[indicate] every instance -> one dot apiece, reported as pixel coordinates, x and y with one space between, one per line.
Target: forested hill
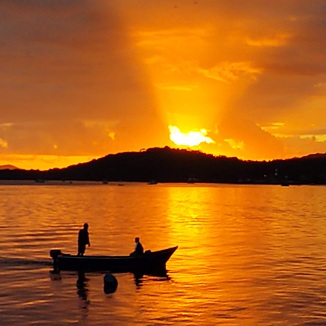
175 165
7 167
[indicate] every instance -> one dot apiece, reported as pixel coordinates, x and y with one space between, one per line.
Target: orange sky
83 79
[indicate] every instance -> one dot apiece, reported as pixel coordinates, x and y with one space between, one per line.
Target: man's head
85 226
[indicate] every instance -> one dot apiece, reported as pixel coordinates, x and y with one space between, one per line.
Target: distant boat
152 182
147 262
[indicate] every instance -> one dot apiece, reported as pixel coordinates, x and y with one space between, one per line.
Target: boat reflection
82 289
82 286
55 275
139 278
161 275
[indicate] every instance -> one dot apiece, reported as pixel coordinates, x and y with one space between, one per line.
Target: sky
81 79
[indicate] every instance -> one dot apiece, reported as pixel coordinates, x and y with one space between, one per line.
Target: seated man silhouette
139 250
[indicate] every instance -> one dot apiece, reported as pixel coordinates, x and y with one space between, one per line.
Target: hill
7 167
176 165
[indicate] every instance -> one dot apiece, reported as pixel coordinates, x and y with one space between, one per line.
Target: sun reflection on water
247 255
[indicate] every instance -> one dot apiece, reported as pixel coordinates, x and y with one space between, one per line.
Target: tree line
180 165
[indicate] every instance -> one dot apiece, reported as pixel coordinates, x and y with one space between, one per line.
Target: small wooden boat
147 262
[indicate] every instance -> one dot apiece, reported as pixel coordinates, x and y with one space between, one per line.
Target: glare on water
248 255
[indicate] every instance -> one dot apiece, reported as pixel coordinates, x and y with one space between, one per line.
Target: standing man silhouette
83 240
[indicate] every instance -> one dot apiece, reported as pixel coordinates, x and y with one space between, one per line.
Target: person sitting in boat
139 250
83 240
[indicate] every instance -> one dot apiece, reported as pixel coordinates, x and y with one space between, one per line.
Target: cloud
68 63
259 61
231 71
91 77
274 41
235 144
3 143
320 85
182 88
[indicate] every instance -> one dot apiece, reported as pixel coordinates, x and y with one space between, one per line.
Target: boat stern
54 253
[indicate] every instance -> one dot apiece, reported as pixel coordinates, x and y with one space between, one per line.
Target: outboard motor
54 253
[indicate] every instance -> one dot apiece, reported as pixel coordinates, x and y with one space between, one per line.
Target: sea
247 254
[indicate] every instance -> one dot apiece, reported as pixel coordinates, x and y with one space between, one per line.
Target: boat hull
148 262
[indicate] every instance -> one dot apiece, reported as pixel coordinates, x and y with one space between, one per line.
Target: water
248 255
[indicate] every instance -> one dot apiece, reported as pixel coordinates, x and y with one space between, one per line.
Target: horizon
12 167
83 79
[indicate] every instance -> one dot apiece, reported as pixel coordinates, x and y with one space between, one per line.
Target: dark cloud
63 63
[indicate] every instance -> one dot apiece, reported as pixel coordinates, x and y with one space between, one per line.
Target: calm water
248 255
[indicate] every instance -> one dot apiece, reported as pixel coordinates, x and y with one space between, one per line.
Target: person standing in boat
139 250
83 240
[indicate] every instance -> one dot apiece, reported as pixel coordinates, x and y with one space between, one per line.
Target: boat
150 261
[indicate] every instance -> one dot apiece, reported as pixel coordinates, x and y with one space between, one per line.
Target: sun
191 138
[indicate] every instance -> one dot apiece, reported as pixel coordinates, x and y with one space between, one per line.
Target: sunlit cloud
282 131
6 125
182 88
87 78
320 85
191 138
273 127
111 135
235 144
275 41
231 71
163 37
317 138
3 143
